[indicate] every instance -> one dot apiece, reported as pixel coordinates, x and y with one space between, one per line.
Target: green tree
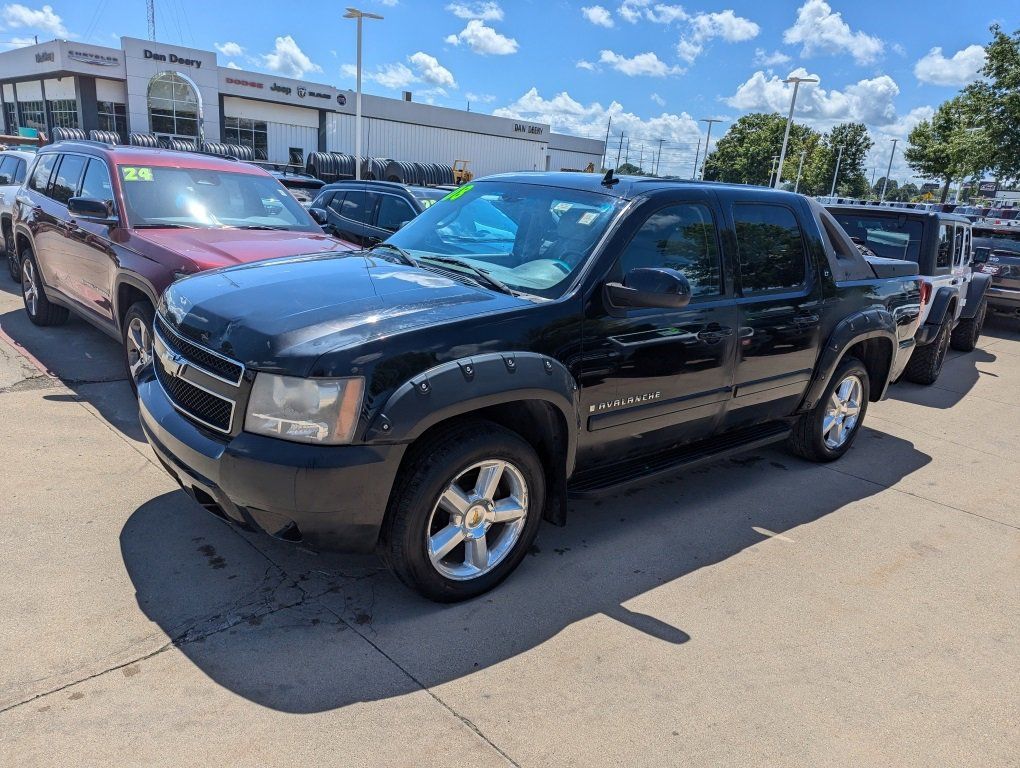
952 144
629 169
745 154
852 181
997 103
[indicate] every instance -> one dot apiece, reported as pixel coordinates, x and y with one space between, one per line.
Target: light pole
354 13
772 170
658 156
839 159
697 154
708 120
885 181
789 121
800 167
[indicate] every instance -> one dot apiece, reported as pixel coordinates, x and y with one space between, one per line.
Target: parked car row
503 346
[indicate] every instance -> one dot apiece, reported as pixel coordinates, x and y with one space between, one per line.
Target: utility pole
772 170
641 158
627 153
789 120
710 121
885 182
800 167
150 18
605 148
839 159
619 149
697 152
873 172
658 156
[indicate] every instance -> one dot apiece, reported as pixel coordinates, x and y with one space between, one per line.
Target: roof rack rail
88 142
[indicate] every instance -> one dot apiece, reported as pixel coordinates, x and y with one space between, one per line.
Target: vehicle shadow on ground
352 633
961 371
83 358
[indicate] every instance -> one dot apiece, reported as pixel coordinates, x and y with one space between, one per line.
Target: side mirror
319 216
655 287
94 210
981 255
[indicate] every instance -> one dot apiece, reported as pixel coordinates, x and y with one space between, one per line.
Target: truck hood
214 248
282 315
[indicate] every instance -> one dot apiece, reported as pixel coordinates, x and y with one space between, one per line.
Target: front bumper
330 497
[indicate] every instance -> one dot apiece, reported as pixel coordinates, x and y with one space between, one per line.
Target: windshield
531 238
158 197
893 237
427 196
995 240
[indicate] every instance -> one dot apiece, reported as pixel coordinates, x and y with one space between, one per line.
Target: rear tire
446 536
12 256
136 335
967 332
40 310
926 362
828 430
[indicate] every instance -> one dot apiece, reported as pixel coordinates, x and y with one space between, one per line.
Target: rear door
655 377
90 251
780 304
63 186
392 213
351 216
43 216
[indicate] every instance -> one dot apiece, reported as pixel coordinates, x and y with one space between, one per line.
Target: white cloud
229 49
481 98
666 14
763 58
43 19
961 68
630 10
642 64
232 65
567 115
18 42
582 64
486 11
398 76
658 99
820 30
288 59
431 71
898 49
484 40
688 50
869 101
598 15
707 26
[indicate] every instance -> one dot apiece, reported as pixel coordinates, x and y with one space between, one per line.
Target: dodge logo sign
302 91
341 99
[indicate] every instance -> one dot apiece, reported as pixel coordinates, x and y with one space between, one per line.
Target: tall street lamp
704 162
885 181
789 121
354 13
839 159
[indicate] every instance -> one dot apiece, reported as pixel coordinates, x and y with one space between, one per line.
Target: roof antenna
608 180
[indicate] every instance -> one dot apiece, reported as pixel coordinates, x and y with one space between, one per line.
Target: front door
780 305
651 378
90 249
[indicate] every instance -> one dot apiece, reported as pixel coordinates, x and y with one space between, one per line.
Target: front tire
966 334
464 511
12 256
926 362
136 334
40 310
828 430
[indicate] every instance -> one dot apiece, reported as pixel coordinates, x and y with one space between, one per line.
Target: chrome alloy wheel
477 520
29 288
138 346
843 412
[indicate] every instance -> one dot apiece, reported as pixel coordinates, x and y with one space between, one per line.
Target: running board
607 479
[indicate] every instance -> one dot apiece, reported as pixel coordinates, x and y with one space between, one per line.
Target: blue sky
656 67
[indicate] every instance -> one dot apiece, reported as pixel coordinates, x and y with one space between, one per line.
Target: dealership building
173 92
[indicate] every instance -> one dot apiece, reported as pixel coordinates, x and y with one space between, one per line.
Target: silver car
14 164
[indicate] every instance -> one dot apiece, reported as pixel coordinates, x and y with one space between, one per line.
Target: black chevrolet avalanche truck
527 338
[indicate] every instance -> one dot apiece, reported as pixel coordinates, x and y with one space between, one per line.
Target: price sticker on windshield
135 173
459 192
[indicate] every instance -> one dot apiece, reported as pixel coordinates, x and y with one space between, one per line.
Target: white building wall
423 143
560 159
286 126
62 88
111 90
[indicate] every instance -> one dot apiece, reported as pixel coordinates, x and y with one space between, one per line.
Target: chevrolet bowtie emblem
174 364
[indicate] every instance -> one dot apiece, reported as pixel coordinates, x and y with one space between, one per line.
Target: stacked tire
432 174
330 166
147 140
67 134
107 137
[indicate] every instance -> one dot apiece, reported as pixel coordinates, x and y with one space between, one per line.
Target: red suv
102 230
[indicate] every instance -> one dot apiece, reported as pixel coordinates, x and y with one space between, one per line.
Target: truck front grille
202 406
207 360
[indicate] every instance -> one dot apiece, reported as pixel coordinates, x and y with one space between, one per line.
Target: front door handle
714 332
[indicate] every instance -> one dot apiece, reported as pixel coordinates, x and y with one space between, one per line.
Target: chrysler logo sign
96 59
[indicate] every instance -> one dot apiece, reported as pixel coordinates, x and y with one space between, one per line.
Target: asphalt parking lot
760 611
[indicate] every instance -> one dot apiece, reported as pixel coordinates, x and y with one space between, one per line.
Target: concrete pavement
758 611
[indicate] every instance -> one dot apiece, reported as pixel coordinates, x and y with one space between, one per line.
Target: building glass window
64 113
248 133
32 115
12 118
113 117
173 106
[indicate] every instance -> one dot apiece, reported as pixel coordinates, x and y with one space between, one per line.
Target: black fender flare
979 283
460 386
939 306
873 323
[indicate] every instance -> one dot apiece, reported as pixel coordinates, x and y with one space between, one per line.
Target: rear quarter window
770 247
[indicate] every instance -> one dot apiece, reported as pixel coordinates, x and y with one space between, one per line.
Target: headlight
305 410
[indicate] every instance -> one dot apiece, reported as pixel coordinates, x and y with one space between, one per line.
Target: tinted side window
65 182
19 172
680 237
770 248
41 174
357 206
944 257
336 203
96 185
393 212
7 166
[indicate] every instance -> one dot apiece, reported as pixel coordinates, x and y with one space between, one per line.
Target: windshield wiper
404 255
164 226
260 226
485 277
